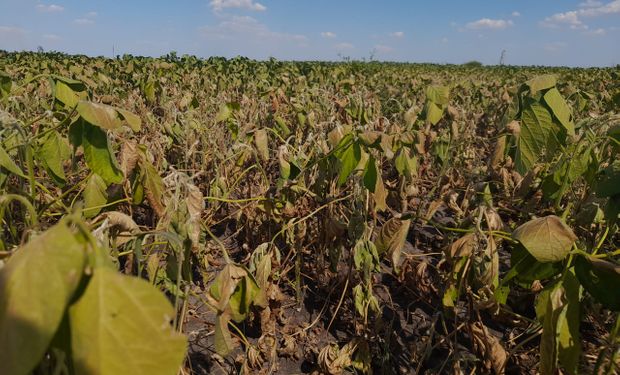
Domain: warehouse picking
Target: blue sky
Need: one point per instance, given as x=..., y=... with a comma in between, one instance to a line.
x=533, y=32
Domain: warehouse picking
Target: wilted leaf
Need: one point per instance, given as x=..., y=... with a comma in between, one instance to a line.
x=195, y=205
x=222, y=338
x=489, y=347
x=120, y=325
x=464, y=246
x=154, y=187
x=547, y=238
x=36, y=285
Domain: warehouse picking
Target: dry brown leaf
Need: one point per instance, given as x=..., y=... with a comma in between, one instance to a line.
x=392, y=237
x=464, y=246
x=489, y=347
x=129, y=157
x=195, y=205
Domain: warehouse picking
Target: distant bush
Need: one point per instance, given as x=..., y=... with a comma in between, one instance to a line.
x=473, y=64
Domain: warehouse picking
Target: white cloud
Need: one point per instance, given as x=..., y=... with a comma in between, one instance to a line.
x=597, y=32
x=444, y=40
x=328, y=34
x=91, y=14
x=487, y=23
x=235, y=27
x=83, y=21
x=11, y=31
x=13, y=38
x=51, y=37
x=609, y=8
x=570, y=19
x=344, y=45
x=397, y=34
x=573, y=19
x=383, y=48
x=590, y=4
x=555, y=46
x=52, y=8
x=516, y=14
x=218, y=5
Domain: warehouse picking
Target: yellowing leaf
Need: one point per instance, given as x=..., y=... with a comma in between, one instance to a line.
x=132, y=120
x=261, y=139
x=541, y=83
x=121, y=325
x=560, y=110
x=547, y=238
x=7, y=163
x=36, y=286
x=100, y=115
x=95, y=195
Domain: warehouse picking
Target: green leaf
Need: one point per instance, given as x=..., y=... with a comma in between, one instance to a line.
x=541, y=83
x=64, y=94
x=5, y=84
x=547, y=238
x=551, y=306
x=526, y=269
x=534, y=137
x=349, y=159
x=568, y=340
x=36, y=286
x=370, y=175
x=245, y=295
x=98, y=155
x=601, y=279
x=95, y=195
x=52, y=152
x=560, y=110
x=121, y=325
x=558, y=309
x=7, y=163
x=406, y=165
x=608, y=183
